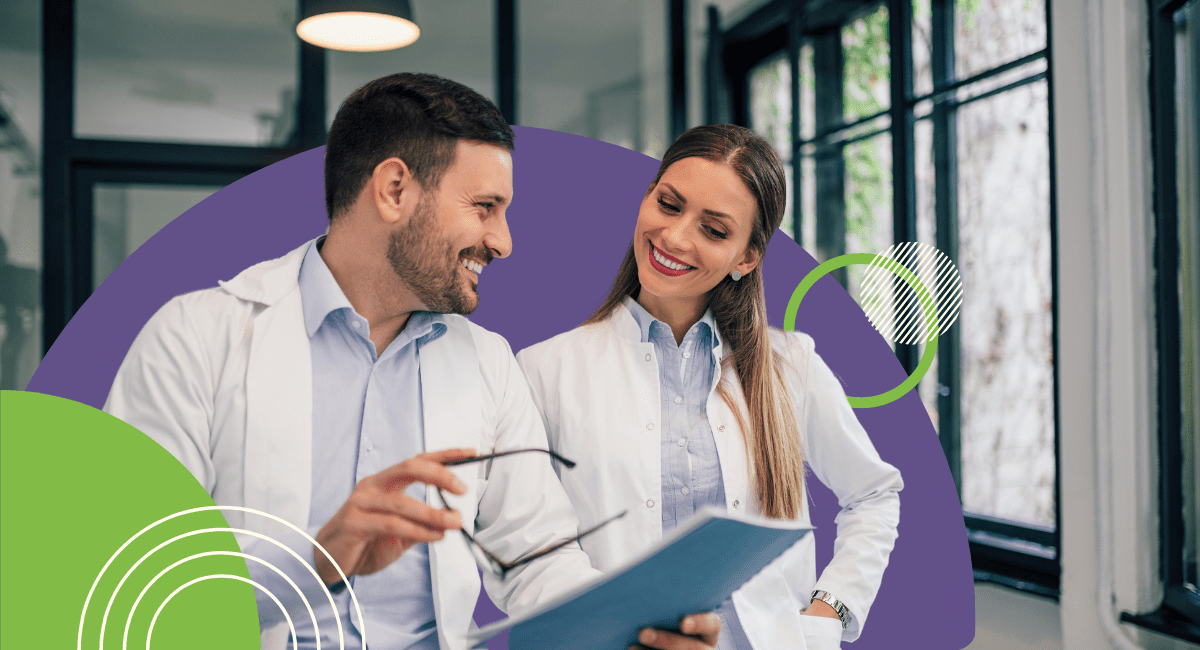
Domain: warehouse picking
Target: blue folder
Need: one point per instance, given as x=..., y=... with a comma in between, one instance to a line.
x=694, y=569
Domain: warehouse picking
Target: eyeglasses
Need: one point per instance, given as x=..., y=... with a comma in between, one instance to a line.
x=486, y=558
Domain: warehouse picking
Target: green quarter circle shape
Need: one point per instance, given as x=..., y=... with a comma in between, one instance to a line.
x=841, y=261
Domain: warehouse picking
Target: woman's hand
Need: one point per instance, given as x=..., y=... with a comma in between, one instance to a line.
x=821, y=608
x=700, y=632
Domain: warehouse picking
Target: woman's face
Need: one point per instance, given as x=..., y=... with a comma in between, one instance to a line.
x=693, y=230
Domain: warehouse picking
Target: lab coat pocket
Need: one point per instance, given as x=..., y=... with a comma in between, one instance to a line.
x=821, y=633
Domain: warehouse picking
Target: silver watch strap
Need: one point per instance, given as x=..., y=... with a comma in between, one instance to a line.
x=828, y=599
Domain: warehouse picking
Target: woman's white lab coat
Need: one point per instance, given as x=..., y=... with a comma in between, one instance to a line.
x=598, y=390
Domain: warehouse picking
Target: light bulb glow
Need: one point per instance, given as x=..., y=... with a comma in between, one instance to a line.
x=356, y=31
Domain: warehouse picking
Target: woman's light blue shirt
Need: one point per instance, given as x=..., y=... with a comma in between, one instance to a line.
x=691, y=471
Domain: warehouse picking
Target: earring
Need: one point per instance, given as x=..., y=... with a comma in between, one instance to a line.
x=735, y=276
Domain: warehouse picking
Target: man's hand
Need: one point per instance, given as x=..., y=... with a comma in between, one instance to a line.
x=701, y=632
x=378, y=522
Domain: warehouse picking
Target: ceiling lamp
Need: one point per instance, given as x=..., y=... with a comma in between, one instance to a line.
x=358, y=25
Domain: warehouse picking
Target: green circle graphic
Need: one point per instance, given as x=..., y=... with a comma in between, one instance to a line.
x=793, y=306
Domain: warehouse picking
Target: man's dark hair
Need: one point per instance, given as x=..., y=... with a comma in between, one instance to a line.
x=417, y=118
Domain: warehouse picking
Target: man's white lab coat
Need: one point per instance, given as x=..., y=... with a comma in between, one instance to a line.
x=597, y=387
x=222, y=379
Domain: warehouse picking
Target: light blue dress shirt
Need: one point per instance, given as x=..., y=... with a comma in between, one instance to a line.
x=367, y=417
x=691, y=471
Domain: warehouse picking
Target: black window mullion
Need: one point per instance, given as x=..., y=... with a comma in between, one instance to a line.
x=904, y=182
x=830, y=165
x=795, y=36
x=310, y=98
x=945, y=161
x=58, y=126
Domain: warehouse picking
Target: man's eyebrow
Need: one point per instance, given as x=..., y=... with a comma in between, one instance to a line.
x=498, y=199
x=675, y=192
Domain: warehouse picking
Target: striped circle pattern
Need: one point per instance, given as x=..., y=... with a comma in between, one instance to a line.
x=898, y=311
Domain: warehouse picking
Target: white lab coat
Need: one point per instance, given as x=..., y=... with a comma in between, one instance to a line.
x=222, y=379
x=597, y=387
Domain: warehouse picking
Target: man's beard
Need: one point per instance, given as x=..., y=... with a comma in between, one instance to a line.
x=425, y=260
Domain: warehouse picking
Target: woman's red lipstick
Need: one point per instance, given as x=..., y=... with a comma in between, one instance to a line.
x=664, y=270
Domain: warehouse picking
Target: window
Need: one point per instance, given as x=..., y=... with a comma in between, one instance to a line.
x=1175, y=108
x=929, y=120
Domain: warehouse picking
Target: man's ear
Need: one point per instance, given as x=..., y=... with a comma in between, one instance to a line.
x=394, y=190
x=749, y=261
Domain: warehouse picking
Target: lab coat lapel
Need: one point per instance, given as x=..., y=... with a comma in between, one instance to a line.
x=451, y=400
x=278, y=471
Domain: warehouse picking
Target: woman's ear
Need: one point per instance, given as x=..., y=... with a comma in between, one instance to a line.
x=394, y=190
x=749, y=262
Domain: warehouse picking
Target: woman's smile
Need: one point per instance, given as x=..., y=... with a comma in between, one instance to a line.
x=666, y=264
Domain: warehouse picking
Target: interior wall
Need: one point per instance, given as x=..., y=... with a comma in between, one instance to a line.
x=1106, y=347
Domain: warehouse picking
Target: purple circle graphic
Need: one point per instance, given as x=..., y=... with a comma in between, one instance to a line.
x=575, y=205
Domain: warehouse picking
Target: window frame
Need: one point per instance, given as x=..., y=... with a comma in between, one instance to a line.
x=1178, y=614
x=1014, y=554
x=71, y=166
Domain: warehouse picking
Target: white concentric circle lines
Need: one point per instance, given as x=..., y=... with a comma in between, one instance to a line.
x=112, y=597
x=150, y=632
x=142, y=594
x=91, y=592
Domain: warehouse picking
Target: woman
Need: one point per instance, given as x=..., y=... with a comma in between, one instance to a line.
x=677, y=394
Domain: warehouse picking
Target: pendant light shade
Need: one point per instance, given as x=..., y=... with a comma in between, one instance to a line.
x=358, y=25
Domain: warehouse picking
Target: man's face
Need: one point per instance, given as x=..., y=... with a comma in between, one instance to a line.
x=456, y=230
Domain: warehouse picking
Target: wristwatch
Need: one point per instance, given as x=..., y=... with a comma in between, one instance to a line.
x=828, y=599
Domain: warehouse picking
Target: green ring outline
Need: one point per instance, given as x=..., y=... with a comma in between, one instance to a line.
x=793, y=306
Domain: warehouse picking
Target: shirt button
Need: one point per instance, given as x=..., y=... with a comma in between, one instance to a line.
x=370, y=446
x=355, y=324
x=687, y=355
x=650, y=503
x=683, y=442
x=647, y=357
x=721, y=427
x=685, y=490
x=679, y=400
x=735, y=503
x=650, y=426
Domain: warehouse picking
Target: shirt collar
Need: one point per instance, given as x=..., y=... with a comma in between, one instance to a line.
x=645, y=321
x=319, y=292
x=320, y=296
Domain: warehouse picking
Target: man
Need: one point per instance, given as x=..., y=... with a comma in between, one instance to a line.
x=317, y=387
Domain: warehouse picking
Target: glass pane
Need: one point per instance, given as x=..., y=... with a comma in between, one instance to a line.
x=866, y=74
x=20, y=192
x=988, y=34
x=927, y=234
x=868, y=200
x=177, y=71
x=1187, y=116
x=771, y=115
x=808, y=102
x=922, y=47
x=126, y=215
x=771, y=103
x=1007, y=397
x=581, y=71
x=458, y=41
x=808, y=209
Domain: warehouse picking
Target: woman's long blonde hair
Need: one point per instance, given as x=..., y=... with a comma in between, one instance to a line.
x=772, y=434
